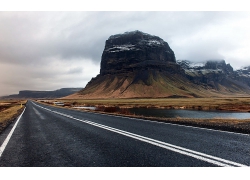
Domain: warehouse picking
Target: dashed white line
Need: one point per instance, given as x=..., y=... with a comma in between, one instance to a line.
x=39, y=114
x=195, y=154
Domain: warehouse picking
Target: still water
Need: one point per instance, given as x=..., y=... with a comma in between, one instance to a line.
x=173, y=113
x=85, y=107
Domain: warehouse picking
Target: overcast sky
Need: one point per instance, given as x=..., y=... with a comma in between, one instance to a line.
x=52, y=50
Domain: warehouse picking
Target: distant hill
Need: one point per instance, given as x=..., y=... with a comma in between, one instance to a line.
x=43, y=94
x=139, y=65
x=217, y=75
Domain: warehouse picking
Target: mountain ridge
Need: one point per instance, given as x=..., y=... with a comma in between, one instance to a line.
x=43, y=94
x=139, y=65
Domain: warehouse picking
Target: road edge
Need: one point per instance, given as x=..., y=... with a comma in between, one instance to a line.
x=5, y=143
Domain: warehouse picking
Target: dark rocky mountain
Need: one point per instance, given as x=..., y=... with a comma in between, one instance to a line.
x=219, y=64
x=215, y=73
x=210, y=65
x=133, y=51
x=135, y=64
x=43, y=94
x=243, y=75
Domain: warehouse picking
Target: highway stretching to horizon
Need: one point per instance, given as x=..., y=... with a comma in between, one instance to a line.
x=48, y=136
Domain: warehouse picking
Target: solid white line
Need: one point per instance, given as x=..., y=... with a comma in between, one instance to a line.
x=3, y=146
x=201, y=156
x=162, y=122
x=152, y=121
x=188, y=152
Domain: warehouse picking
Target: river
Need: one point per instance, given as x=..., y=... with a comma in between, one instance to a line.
x=174, y=113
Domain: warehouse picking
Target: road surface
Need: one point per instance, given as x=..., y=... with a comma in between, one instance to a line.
x=50, y=136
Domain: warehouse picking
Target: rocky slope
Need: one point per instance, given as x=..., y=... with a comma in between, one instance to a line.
x=136, y=65
x=217, y=75
x=43, y=94
x=243, y=75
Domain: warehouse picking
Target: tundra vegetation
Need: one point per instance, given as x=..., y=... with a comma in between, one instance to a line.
x=9, y=111
x=120, y=107
x=228, y=104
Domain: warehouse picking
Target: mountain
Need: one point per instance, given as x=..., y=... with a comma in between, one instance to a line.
x=136, y=64
x=243, y=75
x=217, y=75
x=43, y=94
x=133, y=51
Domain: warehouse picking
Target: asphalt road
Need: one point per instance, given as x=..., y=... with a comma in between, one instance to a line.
x=50, y=136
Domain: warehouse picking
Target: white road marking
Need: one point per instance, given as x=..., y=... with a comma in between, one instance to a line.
x=3, y=146
x=39, y=114
x=161, y=122
x=195, y=154
x=152, y=121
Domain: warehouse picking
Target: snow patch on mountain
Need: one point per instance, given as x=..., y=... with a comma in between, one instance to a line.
x=186, y=64
x=123, y=47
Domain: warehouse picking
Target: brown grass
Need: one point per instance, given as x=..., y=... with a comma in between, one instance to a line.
x=9, y=111
x=119, y=107
x=231, y=104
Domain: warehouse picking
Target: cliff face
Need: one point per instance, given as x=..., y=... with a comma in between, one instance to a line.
x=133, y=51
x=138, y=65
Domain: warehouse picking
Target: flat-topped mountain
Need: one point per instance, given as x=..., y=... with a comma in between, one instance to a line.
x=44, y=94
x=136, y=65
x=133, y=51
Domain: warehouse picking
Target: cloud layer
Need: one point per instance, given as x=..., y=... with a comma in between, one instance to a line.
x=50, y=50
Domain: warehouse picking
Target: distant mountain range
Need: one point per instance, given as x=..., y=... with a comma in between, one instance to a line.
x=43, y=94
x=139, y=65
x=217, y=75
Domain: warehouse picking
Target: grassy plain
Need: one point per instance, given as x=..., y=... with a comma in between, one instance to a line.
x=9, y=111
x=118, y=107
x=231, y=104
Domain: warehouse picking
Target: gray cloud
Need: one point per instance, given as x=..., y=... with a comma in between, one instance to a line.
x=50, y=50
x=76, y=70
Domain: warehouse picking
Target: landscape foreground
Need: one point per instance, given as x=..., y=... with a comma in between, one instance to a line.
x=139, y=70
x=9, y=111
x=120, y=107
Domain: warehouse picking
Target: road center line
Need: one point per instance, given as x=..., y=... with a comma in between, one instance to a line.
x=195, y=154
x=3, y=146
x=39, y=114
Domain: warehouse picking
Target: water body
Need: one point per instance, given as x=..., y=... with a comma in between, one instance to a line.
x=174, y=113
x=85, y=107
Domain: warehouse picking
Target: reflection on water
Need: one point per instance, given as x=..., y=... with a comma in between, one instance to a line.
x=174, y=113
x=85, y=107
